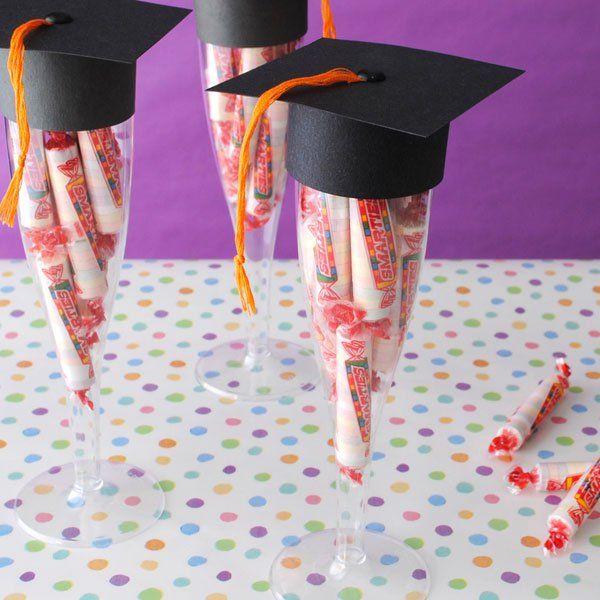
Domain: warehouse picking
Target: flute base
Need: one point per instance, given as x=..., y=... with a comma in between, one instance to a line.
x=286, y=369
x=390, y=570
x=126, y=502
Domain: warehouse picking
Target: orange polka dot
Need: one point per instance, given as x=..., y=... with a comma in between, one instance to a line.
x=575, y=345
x=426, y=303
x=502, y=458
x=4, y=302
x=287, y=375
x=289, y=459
x=429, y=345
x=533, y=561
x=98, y=564
x=2, y=444
x=133, y=346
x=132, y=376
x=144, y=273
x=178, y=363
x=481, y=363
x=465, y=514
x=593, y=375
x=549, y=272
x=284, y=515
x=186, y=290
x=173, y=377
x=460, y=457
x=167, y=443
x=155, y=544
x=463, y=290
x=482, y=376
x=441, y=375
x=18, y=377
x=277, y=274
x=596, y=289
x=519, y=325
x=330, y=442
x=286, y=303
x=149, y=565
x=464, y=303
x=163, y=460
x=24, y=364
x=117, y=458
x=282, y=421
x=43, y=489
x=529, y=541
x=232, y=326
x=565, y=302
x=446, y=420
x=183, y=304
x=222, y=488
x=99, y=516
x=145, y=303
x=291, y=562
x=117, y=422
x=216, y=597
x=482, y=561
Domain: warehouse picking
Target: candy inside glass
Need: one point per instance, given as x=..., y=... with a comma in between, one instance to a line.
x=73, y=214
x=361, y=261
x=258, y=367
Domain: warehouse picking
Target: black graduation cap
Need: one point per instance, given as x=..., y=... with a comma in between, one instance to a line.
x=250, y=23
x=383, y=138
x=80, y=72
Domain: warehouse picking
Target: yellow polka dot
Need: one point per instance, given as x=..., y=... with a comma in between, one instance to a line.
x=98, y=564
x=286, y=303
x=149, y=565
x=216, y=597
x=463, y=290
x=291, y=562
x=132, y=376
x=186, y=290
x=16, y=596
x=287, y=375
x=482, y=561
x=441, y=375
x=18, y=377
x=173, y=377
x=117, y=421
x=155, y=544
x=533, y=561
x=482, y=376
x=565, y=302
x=277, y=274
x=519, y=325
x=282, y=421
x=232, y=326
x=226, y=401
x=289, y=459
x=284, y=515
x=167, y=443
x=415, y=596
x=133, y=346
x=43, y=488
x=465, y=514
x=99, y=516
x=460, y=457
x=117, y=458
x=575, y=345
x=446, y=420
x=530, y=541
x=144, y=273
x=145, y=303
x=331, y=459
x=399, y=487
x=163, y=460
x=222, y=488
x=464, y=303
x=429, y=345
x=183, y=303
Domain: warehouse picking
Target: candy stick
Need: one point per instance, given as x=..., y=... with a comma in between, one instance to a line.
x=570, y=514
x=100, y=154
x=528, y=417
x=374, y=259
x=66, y=324
x=547, y=477
x=353, y=399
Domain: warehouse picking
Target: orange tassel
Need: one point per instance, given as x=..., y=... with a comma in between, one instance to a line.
x=15, y=65
x=340, y=75
x=328, y=24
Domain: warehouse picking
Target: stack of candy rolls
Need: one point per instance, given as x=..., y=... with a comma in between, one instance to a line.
x=228, y=115
x=352, y=256
x=547, y=477
x=71, y=212
x=528, y=417
x=571, y=513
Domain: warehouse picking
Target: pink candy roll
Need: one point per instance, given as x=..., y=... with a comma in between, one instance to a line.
x=374, y=257
x=570, y=514
x=100, y=154
x=353, y=400
x=220, y=66
x=528, y=417
x=547, y=477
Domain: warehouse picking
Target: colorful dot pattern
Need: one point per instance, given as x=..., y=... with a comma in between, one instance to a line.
x=243, y=480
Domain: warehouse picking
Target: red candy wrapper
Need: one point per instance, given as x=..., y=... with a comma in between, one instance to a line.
x=547, y=477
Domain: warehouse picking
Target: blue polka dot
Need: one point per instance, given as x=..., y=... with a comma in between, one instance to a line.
x=497, y=301
x=485, y=280
x=420, y=408
x=258, y=410
x=376, y=527
x=378, y=456
x=204, y=457
x=31, y=458
x=578, y=557
x=504, y=353
x=189, y=528
x=456, y=439
x=286, y=288
x=31, y=431
x=147, y=289
x=437, y=500
x=543, y=454
x=438, y=361
x=389, y=559
x=113, y=335
x=519, y=374
x=579, y=408
x=135, y=362
x=198, y=430
x=290, y=540
x=561, y=288
x=289, y=440
x=257, y=501
x=217, y=301
x=120, y=441
x=196, y=561
x=5, y=529
x=211, y=281
x=478, y=539
x=551, y=335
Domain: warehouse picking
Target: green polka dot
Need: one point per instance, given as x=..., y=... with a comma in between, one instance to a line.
x=234, y=364
x=492, y=396
x=156, y=353
x=472, y=323
x=547, y=591
x=455, y=352
x=595, y=540
x=565, y=440
x=184, y=324
x=5, y=353
x=150, y=594
x=378, y=581
x=513, y=289
x=575, y=389
x=350, y=593
x=263, y=390
x=167, y=485
x=38, y=323
x=420, y=389
x=310, y=429
x=166, y=279
x=225, y=545
x=437, y=475
x=27, y=280
x=440, y=279
x=398, y=442
x=262, y=476
x=106, y=391
x=128, y=526
x=63, y=586
x=14, y=398
x=457, y=584
x=261, y=586
x=144, y=429
x=414, y=542
x=574, y=278
x=34, y=546
x=120, y=317
x=549, y=316
x=474, y=427
x=536, y=363
x=230, y=444
x=313, y=526
x=175, y=397
x=498, y=524
x=60, y=444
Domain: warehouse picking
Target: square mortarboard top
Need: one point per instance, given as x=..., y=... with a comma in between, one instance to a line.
x=250, y=23
x=377, y=139
x=80, y=72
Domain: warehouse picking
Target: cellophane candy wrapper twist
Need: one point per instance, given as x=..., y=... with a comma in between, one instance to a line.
x=571, y=513
x=546, y=477
x=527, y=418
x=228, y=116
x=72, y=215
x=360, y=260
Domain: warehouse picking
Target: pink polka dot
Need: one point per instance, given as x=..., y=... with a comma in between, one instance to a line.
x=64, y=423
x=558, y=420
x=436, y=264
x=313, y=499
x=469, y=407
x=147, y=409
x=168, y=265
x=450, y=334
x=510, y=273
x=305, y=335
x=594, y=333
x=531, y=345
x=397, y=421
x=132, y=500
x=411, y=515
x=43, y=517
x=159, y=335
x=232, y=421
x=491, y=498
x=11, y=335
x=228, y=517
x=237, y=345
x=309, y=409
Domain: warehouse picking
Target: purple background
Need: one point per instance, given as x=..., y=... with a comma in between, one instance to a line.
x=519, y=169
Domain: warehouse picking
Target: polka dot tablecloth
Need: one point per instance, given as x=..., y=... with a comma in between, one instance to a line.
x=242, y=480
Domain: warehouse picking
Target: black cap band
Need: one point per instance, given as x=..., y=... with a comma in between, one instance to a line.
x=250, y=23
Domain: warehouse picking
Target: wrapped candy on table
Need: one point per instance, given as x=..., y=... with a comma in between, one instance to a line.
x=528, y=417
x=547, y=477
x=571, y=513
